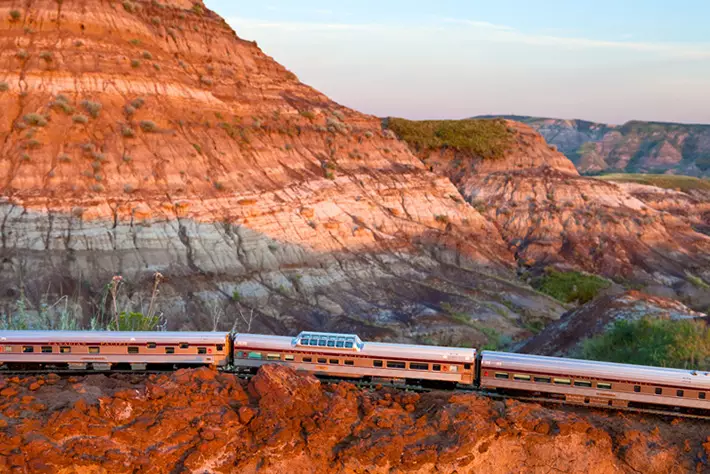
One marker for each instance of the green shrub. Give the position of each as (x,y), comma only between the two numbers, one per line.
(483,138)
(93,108)
(148,126)
(127,132)
(131,321)
(130,7)
(37,120)
(147,55)
(46,56)
(135,63)
(15,15)
(307,114)
(570,287)
(657,342)
(4,86)
(79,118)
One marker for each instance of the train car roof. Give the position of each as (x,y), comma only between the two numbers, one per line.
(39,337)
(588,368)
(370,349)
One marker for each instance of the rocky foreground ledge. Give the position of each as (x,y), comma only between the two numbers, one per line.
(202,421)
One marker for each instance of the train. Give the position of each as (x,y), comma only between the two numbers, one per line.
(346,356)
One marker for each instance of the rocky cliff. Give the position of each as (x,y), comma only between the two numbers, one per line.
(281,422)
(550,215)
(636,146)
(140,137)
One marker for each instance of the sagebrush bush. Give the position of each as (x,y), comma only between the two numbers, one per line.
(46,56)
(93,108)
(79,118)
(148,126)
(15,15)
(37,120)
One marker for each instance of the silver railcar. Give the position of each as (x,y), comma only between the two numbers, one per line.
(599,383)
(345,355)
(102,349)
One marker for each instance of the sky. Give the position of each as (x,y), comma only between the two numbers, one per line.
(602,60)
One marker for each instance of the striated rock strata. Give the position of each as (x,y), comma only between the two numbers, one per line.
(550,215)
(207,422)
(141,136)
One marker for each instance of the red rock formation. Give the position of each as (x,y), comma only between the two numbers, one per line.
(146,136)
(549,215)
(208,422)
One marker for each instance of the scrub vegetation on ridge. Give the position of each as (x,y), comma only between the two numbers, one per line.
(488,139)
(657,342)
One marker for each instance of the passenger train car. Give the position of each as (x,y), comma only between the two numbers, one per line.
(346,356)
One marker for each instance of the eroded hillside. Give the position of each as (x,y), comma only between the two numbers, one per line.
(141,137)
(549,215)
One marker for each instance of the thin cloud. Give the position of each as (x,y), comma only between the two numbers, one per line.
(491,33)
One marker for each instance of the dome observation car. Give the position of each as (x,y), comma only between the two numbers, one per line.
(328,340)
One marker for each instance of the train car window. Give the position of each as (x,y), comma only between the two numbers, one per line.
(348,345)
(314,342)
(679,393)
(542,379)
(521,377)
(184,345)
(65,349)
(637,388)
(659,391)
(170,350)
(151,345)
(322,343)
(8,348)
(603,386)
(220,347)
(701,395)
(501,375)
(46,349)
(331,343)
(94,350)
(307,359)
(349,362)
(334,361)
(254,355)
(562,381)
(288,357)
(322,360)
(391,364)
(28,349)
(467,366)
(436,367)
(239,355)
(132,349)
(202,350)
(582,383)
(418,366)
(377,363)
(340,344)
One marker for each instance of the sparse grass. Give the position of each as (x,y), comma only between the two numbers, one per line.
(80,118)
(697,281)
(197,148)
(93,108)
(488,139)
(665,181)
(130,7)
(127,132)
(78,44)
(148,127)
(64,158)
(570,287)
(307,114)
(656,342)
(197,9)
(135,42)
(62,102)
(4,86)
(46,56)
(156,21)
(443,219)
(97,188)
(22,54)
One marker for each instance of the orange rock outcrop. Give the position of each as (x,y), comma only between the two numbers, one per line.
(208,422)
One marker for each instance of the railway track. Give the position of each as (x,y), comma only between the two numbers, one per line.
(378,385)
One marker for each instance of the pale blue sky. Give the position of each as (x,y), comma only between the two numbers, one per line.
(605,60)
